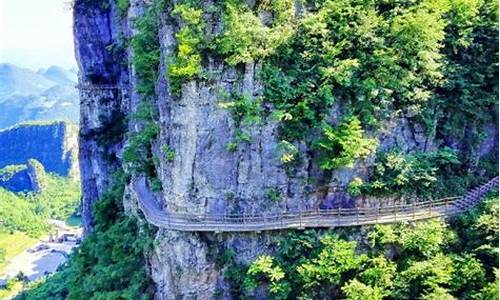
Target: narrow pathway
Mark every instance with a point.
(343, 217)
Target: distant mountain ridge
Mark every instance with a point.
(46, 94)
(60, 75)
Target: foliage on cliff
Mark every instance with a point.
(344, 145)
(372, 60)
(427, 260)
(138, 154)
(380, 59)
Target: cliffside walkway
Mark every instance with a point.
(96, 87)
(343, 217)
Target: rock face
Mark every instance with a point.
(23, 178)
(102, 110)
(203, 176)
(53, 144)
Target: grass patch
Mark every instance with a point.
(11, 290)
(13, 244)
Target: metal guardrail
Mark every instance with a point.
(327, 218)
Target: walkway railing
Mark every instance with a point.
(97, 87)
(342, 217)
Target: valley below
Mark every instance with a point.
(39, 201)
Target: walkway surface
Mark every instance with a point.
(343, 217)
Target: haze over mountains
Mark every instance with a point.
(46, 94)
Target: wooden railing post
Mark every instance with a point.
(395, 213)
(338, 218)
(300, 219)
(357, 215)
(430, 208)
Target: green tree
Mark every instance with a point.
(265, 270)
(332, 266)
(424, 277)
(356, 290)
(343, 145)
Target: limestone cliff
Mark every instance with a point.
(54, 144)
(23, 178)
(192, 167)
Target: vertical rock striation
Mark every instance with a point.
(103, 88)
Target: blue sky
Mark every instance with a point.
(36, 33)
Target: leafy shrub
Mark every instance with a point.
(420, 173)
(354, 186)
(273, 194)
(123, 6)
(246, 109)
(343, 145)
(232, 146)
(186, 63)
(138, 154)
(146, 49)
(264, 269)
(288, 152)
(168, 153)
(245, 38)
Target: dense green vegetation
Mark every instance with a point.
(110, 262)
(186, 64)
(426, 260)
(245, 38)
(381, 59)
(432, 62)
(146, 60)
(422, 174)
(24, 216)
(28, 212)
(123, 6)
(335, 72)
